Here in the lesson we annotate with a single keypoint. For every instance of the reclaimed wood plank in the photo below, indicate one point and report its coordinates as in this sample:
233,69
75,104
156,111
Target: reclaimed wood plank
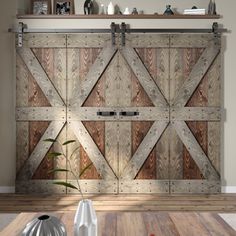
143,150
195,150
40,151
44,40
196,75
40,76
92,150
143,76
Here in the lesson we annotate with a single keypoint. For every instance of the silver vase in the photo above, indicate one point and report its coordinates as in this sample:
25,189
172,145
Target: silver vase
85,221
45,226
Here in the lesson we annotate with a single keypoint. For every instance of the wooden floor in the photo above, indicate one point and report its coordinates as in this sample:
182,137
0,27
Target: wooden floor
64,203
139,224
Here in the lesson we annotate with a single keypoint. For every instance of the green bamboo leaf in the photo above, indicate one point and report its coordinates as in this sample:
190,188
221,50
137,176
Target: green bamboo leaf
86,168
54,154
68,185
50,140
68,142
57,170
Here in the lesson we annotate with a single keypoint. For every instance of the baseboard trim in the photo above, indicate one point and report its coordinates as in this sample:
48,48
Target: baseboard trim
228,189
7,189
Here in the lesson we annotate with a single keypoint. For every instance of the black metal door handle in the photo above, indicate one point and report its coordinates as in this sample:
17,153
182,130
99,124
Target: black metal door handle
106,113
129,113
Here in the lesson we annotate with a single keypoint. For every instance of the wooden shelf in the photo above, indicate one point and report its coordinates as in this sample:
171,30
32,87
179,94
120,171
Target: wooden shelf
144,16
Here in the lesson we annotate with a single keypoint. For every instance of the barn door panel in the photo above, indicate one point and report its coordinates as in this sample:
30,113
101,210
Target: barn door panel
40,112
195,62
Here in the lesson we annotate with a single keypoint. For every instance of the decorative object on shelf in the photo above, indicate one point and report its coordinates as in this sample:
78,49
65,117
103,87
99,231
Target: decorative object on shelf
126,12
168,11
212,8
64,7
88,7
134,12
110,9
195,11
85,221
45,225
40,7
102,9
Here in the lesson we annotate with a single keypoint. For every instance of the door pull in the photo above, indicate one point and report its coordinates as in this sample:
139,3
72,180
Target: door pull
106,113
129,113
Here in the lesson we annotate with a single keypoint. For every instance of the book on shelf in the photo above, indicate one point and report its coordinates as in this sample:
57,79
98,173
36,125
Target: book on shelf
194,11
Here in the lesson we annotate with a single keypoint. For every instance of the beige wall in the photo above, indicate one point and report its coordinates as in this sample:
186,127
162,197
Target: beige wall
7,142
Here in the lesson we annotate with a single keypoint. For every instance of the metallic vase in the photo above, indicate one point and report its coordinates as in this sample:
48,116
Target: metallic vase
45,226
85,221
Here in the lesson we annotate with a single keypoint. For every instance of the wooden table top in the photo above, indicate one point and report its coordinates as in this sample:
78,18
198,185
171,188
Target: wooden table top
138,224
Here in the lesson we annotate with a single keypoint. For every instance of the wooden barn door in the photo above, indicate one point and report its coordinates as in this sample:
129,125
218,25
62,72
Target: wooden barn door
146,115
194,113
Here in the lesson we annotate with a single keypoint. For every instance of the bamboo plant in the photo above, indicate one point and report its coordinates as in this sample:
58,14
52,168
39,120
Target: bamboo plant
69,168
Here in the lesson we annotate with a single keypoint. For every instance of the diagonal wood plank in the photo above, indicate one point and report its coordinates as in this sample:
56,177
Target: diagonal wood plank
93,75
196,75
40,76
40,151
195,150
92,150
144,77
40,113
144,149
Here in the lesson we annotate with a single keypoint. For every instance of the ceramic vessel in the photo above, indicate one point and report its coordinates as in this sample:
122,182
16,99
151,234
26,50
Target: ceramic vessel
110,9
88,7
45,225
126,12
168,11
85,221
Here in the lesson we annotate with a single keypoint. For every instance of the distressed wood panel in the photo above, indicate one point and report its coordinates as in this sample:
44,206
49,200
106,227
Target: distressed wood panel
214,99
89,40
95,72
147,40
95,186
144,114
39,186
196,75
195,150
144,186
40,76
195,186
143,150
196,113
40,113
39,151
191,40
143,76
44,40
92,150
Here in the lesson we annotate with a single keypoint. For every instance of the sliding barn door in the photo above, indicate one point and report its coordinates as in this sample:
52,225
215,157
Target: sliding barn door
145,114
194,113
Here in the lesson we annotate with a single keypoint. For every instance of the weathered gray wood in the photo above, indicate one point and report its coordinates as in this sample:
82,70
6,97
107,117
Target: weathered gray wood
147,40
41,77
195,186
195,150
144,186
214,99
144,77
44,40
90,40
39,186
196,75
95,186
191,40
144,149
40,113
40,151
92,150
22,144
93,75
145,113
196,113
